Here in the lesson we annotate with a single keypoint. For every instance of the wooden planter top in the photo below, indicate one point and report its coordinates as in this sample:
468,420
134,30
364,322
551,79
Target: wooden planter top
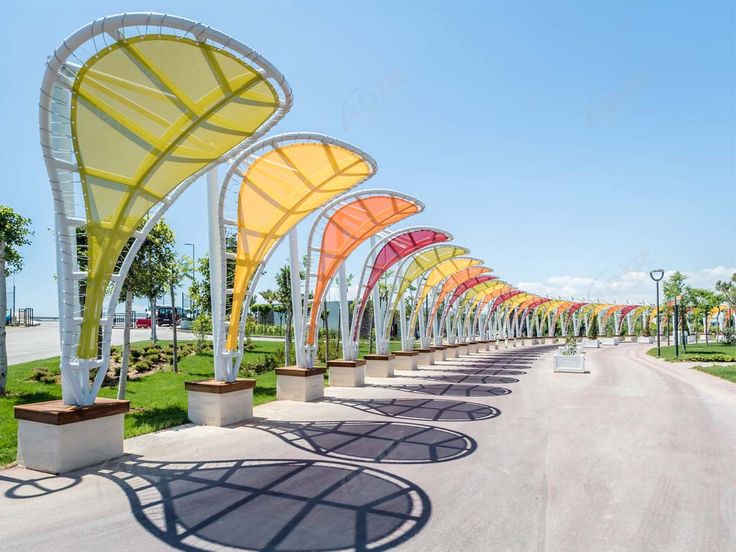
342,363
406,353
58,413
379,357
300,372
219,387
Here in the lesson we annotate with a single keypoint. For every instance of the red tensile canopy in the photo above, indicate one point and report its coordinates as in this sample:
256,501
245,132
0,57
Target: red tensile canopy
398,248
501,298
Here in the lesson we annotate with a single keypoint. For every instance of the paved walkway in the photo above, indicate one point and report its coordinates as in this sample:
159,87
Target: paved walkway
494,452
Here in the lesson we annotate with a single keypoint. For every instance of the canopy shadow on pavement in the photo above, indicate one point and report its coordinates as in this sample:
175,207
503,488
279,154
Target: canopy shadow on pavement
269,505
373,441
421,409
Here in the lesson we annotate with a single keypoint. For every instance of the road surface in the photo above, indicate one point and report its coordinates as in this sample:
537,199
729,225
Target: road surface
490,453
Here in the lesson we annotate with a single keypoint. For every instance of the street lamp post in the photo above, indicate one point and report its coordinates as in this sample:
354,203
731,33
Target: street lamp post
676,323
194,268
656,275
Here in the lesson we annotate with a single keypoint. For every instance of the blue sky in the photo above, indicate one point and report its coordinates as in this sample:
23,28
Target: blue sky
570,145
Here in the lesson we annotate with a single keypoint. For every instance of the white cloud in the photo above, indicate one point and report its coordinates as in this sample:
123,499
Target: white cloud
630,286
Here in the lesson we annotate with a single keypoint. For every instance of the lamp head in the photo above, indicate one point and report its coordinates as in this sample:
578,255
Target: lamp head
657,274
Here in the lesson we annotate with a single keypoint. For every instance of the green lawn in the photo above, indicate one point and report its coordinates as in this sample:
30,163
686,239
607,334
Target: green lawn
727,372
158,401
715,352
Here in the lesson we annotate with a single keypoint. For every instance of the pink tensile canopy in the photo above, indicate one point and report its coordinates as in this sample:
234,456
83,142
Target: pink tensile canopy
398,248
393,251
575,307
502,298
626,310
467,284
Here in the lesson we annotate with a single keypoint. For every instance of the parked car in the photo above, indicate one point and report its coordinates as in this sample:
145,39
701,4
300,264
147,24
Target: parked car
163,317
142,323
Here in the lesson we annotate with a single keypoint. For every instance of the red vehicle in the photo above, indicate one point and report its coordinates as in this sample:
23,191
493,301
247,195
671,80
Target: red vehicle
143,322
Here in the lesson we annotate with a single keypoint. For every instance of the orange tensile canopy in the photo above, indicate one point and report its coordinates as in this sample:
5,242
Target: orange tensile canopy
348,227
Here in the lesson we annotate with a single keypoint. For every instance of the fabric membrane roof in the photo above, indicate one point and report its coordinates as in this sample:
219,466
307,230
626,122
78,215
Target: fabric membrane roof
347,228
397,248
279,189
165,107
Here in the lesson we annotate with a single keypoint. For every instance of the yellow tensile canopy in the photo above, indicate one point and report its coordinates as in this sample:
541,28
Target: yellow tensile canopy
452,282
439,273
147,113
279,189
424,261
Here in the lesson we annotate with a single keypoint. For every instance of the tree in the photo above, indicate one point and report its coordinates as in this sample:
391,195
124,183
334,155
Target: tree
674,286
727,288
593,327
283,296
703,301
148,273
14,234
175,273
199,291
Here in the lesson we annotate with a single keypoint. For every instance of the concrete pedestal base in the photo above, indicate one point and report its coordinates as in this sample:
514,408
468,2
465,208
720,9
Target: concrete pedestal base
300,384
379,366
472,347
462,349
439,354
406,360
426,357
346,373
451,351
218,403
56,438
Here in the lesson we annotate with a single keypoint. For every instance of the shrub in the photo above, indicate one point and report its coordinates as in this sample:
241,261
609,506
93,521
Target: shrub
142,366
201,327
728,337
42,374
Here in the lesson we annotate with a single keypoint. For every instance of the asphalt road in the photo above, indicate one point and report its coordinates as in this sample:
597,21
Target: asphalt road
491,453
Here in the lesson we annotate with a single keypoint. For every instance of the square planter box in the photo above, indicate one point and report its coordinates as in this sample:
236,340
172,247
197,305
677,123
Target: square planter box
219,403
609,341
346,373
591,343
645,339
452,351
439,354
58,438
570,363
462,349
300,384
425,358
406,360
379,366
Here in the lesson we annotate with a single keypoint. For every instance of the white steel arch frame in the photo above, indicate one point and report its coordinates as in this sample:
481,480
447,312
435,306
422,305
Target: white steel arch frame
227,362
308,302
381,307
61,160
395,300
448,308
431,299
